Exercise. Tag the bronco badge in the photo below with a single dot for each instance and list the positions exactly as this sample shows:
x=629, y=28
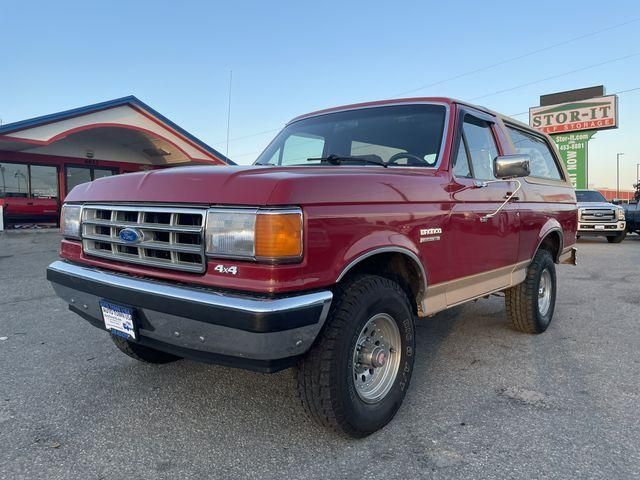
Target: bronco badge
x=430, y=234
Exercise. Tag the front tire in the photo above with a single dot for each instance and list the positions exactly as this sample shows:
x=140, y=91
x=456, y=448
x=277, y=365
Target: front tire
x=141, y=352
x=355, y=376
x=530, y=305
x=617, y=238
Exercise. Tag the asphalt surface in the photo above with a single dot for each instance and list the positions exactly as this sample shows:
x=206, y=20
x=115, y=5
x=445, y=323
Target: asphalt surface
x=485, y=401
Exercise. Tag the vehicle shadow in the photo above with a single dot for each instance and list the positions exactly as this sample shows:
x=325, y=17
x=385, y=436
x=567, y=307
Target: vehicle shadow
x=216, y=406
x=221, y=416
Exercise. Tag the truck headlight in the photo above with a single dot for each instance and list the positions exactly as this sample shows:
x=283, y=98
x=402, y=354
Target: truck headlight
x=620, y=214
x=273, y=235
x=70, y=220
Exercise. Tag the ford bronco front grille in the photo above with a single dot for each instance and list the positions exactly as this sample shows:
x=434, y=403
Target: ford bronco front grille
x=161, y=237
x=598, y=215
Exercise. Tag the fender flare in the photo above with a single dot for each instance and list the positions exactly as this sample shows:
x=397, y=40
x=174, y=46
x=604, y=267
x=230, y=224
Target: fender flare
x=422, y=289
x=551, y=226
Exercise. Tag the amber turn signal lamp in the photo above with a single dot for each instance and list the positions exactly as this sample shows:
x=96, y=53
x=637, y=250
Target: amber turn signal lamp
x=278, y=236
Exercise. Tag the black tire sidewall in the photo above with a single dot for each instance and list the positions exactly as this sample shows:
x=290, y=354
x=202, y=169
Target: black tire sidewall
x=545, y=262
x=619, y=238
x=141, y=352
x=367, y=417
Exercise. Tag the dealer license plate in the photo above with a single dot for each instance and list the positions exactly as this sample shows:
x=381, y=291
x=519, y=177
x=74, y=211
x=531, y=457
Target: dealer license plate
x=118, y=319
x=599, y=227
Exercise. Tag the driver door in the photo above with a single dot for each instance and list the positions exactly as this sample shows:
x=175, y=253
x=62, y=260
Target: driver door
x=483, y=251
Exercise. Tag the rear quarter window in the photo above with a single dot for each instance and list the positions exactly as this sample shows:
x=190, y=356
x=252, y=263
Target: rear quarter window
x=543, y=163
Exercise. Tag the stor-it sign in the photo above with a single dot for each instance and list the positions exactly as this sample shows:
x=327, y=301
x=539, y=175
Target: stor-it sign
x=594, y=114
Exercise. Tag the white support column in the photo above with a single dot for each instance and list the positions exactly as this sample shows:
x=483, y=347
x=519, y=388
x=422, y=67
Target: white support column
x=1, y=218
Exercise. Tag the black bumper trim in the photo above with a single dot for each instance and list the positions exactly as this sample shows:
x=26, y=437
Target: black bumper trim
x=263, y=366
x=256, y=322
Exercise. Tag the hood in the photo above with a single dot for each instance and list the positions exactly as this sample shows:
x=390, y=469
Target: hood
x=260, y=186
x=597, y=205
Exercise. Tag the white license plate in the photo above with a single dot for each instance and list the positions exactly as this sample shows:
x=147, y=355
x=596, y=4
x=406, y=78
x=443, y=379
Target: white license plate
x=118, y=320
x=599, y=227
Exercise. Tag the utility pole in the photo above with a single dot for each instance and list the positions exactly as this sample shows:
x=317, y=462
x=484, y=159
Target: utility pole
x=229, y=113
x=618, y=155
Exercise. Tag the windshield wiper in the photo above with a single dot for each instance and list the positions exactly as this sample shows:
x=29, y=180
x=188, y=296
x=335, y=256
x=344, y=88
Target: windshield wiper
x=334, y=159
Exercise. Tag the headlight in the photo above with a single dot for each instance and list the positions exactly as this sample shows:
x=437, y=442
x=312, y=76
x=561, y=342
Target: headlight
x=620, y=214
x=70, y=220
x=255, y=234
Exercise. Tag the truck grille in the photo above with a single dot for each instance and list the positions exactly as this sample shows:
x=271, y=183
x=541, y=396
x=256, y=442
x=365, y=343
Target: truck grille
x=168, y=237
x=598, y=215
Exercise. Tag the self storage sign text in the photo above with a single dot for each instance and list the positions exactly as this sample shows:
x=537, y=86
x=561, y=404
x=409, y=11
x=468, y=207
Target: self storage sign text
x=595, y=114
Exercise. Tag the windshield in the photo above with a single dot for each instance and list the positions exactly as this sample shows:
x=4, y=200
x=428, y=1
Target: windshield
x=589, y=196
x=402, y=135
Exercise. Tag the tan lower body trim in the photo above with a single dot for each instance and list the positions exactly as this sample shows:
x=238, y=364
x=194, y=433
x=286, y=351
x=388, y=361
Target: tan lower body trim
x=449, y=294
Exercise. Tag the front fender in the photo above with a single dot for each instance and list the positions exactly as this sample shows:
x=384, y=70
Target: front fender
x=376, y=244
x=376, y=241
x=551, y=225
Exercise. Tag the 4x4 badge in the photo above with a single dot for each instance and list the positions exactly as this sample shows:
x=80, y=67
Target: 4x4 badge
x=233, y=270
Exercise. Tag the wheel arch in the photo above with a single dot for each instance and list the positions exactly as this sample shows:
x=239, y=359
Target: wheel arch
x=551, y=238
x=397, y=263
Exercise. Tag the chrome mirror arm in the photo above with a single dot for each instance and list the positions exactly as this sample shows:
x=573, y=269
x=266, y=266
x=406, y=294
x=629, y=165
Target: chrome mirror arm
x=478, y=184
x=486, y=183
x=486, y=218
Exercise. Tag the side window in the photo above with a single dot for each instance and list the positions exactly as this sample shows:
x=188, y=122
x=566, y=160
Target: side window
x=298, y=148
x=481, y=146
x=461, y=162
x=44, y=181
x=76, y=176
x=15, y=180
x=542, y=164
x=101, y=173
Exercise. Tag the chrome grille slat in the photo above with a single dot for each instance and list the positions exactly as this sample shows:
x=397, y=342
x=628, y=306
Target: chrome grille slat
x=147, y=262
x=174, y=239
x=144, y=226
x=598, y=215
x=178, y=247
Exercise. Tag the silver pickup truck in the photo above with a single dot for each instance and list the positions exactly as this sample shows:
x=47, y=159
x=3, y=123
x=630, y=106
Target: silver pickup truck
x=597, y=217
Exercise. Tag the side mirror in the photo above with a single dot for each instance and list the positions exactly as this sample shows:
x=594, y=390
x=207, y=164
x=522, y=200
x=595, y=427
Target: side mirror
x=511, y=166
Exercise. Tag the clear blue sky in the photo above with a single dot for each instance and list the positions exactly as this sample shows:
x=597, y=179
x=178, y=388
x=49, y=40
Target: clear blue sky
x=292, y=57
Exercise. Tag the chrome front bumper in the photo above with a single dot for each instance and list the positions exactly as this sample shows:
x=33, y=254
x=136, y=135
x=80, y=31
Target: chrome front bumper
x=595, y=228
x=258, y=333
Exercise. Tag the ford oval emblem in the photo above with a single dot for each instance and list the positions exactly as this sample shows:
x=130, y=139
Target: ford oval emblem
x=130, y=235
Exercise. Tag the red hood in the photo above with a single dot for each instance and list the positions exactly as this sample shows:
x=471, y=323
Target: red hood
x=255, y=185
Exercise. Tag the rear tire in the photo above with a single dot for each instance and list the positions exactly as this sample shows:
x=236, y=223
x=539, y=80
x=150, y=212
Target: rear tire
x=530, y=305
x=142, y=353
x=355, y=376
x=618, y=238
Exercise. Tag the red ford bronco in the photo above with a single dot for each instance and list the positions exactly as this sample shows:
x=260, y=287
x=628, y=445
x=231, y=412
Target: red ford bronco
x=353, y=223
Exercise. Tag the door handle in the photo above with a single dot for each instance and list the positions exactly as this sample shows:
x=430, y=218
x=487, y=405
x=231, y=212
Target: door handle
x=511, y=196
x=30, y=203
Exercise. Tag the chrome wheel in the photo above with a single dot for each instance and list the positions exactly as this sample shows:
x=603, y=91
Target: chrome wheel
x=376, y=358
x=544, y=292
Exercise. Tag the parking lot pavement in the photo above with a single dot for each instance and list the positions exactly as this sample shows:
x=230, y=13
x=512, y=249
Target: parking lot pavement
x=485, y=401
